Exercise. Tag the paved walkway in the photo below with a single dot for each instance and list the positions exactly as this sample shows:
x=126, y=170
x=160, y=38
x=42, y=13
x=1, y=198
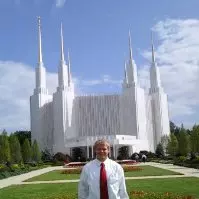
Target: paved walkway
x=188, y=172
x=20, y=178
x=184, y=170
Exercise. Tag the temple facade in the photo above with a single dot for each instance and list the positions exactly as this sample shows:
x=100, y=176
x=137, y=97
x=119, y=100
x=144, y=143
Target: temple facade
x=135, y=118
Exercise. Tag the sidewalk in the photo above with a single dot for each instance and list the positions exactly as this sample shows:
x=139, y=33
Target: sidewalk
x=188, y=172
x=19, y=178
x=191, y=172
x=127, y=178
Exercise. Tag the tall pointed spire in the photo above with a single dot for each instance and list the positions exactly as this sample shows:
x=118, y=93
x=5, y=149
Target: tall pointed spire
x=40, y=60
x=125, y=73
x=155, y=80
x=69, y=75
x=130, y=47
x=40, y=69
x=131, y=67
x=152, y=49
x=62, y=45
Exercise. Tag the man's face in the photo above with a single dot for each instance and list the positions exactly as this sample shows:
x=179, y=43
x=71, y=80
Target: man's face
x=102, y=152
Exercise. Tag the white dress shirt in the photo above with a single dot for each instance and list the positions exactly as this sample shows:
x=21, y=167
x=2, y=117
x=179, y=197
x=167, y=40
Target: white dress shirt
x=89, y=184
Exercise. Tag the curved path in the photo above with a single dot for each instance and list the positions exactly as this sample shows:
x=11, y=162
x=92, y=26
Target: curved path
x=188, y=172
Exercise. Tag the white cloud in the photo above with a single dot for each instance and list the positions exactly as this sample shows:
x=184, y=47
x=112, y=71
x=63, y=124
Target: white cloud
x=17, y=82
x=177, y=54
x=16, y=85
x=60, y=3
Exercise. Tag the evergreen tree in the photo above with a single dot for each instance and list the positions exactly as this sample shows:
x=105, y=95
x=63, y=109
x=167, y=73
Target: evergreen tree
x=172, y=147
x=194, y=139
x=15, y=149
x=159, y=150
x=26, y=151
x=4, y=149
x=22, y=135
x=183, y=142
x=36, y=154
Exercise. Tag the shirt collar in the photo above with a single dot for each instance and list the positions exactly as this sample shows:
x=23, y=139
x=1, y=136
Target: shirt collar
x=99, y=162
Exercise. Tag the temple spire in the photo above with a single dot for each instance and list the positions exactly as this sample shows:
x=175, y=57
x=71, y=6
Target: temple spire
x=40, y=60
x=62, y=45
x=155, y=80
x=125, y=73
x=131, y=67
x=152, y=49
x=130, y=47
x=69, y=75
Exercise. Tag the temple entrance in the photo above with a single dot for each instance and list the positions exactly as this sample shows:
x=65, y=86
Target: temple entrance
x=78, y=154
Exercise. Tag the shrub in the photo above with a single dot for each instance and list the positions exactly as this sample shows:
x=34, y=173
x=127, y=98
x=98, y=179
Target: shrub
x=62, y=158
x=182, y=158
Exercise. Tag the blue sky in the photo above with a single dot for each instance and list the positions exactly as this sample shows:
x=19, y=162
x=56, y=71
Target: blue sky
x=96, y=32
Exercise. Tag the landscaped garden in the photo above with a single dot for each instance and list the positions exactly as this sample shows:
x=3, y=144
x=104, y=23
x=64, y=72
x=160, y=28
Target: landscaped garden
x=168, y=188
x=130, y=171
x=17, y=158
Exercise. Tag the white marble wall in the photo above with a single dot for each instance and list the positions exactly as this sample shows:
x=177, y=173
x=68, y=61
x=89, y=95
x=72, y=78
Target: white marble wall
x=141, y=114
x=150, y=124
x=129, y=125
x=97, y=115
x=41, y=121
x=160, y=115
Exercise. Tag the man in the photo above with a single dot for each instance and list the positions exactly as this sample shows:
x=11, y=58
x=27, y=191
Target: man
x=102, y=178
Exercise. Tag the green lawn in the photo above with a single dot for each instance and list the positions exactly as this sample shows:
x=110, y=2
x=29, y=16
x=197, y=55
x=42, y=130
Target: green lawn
x=185, y=186
x=147, y=171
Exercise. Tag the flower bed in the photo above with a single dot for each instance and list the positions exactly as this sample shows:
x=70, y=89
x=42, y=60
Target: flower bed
x=78, y=170
x=153, y=195
x=129, y=162
x=75, y=164
x=131, y=168
x=133, y=195
x=71, y=171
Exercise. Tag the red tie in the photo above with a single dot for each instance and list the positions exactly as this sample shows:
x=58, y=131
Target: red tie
x=103, y=183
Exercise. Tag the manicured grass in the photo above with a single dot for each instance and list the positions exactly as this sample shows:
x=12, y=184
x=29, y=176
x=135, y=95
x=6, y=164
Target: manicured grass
x=54, y=175
x=150, y=171
x=147, y=171
x=183, y=186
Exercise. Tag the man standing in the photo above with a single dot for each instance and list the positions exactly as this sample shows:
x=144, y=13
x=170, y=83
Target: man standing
x=102, y=178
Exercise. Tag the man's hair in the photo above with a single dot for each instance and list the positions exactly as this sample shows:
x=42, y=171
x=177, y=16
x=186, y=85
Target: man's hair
x=102, y=141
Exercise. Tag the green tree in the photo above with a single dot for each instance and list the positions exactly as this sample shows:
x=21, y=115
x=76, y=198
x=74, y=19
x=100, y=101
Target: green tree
x=22, y=135
x=159, y=151
x=36, y=154
x=4, y=149
x=15, y=149
x=172, y=147
x=26, y=151
x=194, y=139
x=183, y=142
x=4, y=132
x=174, y=129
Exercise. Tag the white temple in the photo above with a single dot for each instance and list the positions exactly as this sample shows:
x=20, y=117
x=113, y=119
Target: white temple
x=136, y=118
